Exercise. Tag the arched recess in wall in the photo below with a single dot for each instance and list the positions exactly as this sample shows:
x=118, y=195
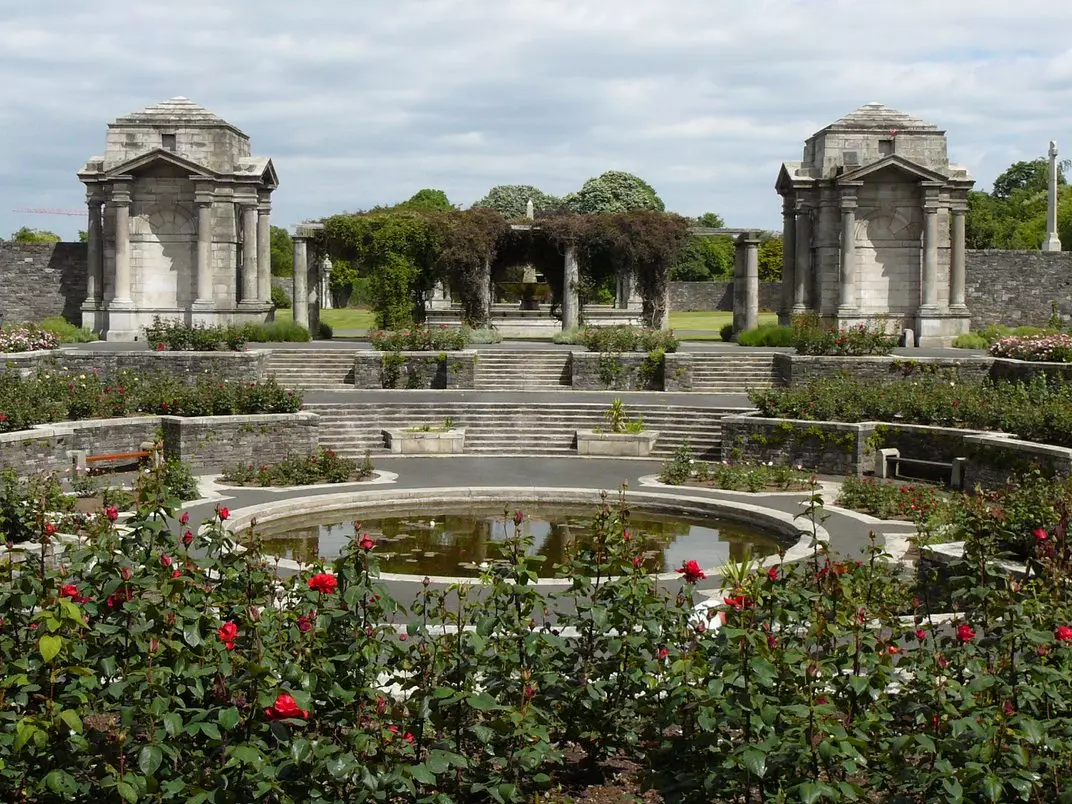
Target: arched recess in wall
x=164, y=250
x=888, y=254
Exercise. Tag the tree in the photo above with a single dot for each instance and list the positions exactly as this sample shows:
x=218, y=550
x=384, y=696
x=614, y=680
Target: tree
x=28, y=235
x=710, y=220
x=428, y=200
x=511, y=200
x=83, y=236
x=282, y=251
x=1013, y=215
x=770, y=259
x=704, y=259
x=614, y=191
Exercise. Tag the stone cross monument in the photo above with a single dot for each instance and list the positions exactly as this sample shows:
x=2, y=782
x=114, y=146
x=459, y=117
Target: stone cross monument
x=1052, y=242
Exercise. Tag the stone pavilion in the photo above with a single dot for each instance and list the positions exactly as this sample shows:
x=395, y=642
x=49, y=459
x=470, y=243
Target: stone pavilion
x=178, y=223
x=873, y=220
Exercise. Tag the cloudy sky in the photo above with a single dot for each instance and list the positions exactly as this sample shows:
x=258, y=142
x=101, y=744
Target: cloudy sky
x=366, y=102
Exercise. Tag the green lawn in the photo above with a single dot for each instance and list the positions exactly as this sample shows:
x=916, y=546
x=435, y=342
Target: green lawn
x=339, y=319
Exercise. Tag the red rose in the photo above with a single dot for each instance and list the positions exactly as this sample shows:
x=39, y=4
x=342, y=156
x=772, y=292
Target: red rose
x=175, y=573
x=663, y=653
x=323, y=582
x=305, y=624
x=228, y=634
x=50, y=528
x=222, y=513
x=738, y=602
x=772, y=574
x=70, y=590
x=1041, y=534
x=165, y=560
x=366, y=543
x=187, y=538
x=692, y=572
x=112, y=513
x=965, y=633
x=518, y=517
x=1063, y=633
x=285, y=707
x=921, y=634
x=184, y=518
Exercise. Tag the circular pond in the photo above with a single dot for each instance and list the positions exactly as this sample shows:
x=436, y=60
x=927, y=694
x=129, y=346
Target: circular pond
x=461, y=539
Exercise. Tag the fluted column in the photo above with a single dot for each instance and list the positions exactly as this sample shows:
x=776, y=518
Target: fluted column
x=930, y=248
x=789, y=258
x=751, y=281
x=802, y=247
x=847, y=301
x=94, y=251
x=301, y=281
x=957, y=262
x=120, y=202
x=249, y=252
x=204, y=250
x=264, y=251
x=570, y=281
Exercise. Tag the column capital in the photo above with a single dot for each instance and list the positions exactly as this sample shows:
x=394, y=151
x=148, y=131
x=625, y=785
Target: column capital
x=264, y=207
x=932, y=195
x=789, y=204
x=120, y=197
x=204, y=198
x=847, y=195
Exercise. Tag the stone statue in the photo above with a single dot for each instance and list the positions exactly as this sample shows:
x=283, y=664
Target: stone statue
x=530, y=210
x=1052, y=242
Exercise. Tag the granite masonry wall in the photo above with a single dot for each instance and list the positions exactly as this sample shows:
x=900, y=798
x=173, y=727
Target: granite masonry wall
x=48, y=447
x=623, y=371
x=215, y=442
x=829, y=447
x=38, y=280
x=415, y=370
x=1017, y=288
x=689, y=296
x=992, y=459
x=800, y=369
x=235, y=366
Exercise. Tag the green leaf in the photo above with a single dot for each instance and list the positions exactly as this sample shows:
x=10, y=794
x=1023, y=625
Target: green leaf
x=299, y=749
x=73, y=721
x=210, y=730
x=755, y=761
x=149, y=759
x=248, y=755
x=192, y=634
x=422, y=774
x=49, y=645
x=172, y=723
x=23, y=733
x=229, y=718
x=809, y=792
x=128, y=792
x=61, y=783
x=992, y=787
x=482, y=702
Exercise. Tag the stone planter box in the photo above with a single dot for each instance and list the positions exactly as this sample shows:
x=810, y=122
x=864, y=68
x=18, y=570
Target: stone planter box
x=616, y=445
x=619, y=371
x=415, y=370
x=215, y=442
x=415, y=442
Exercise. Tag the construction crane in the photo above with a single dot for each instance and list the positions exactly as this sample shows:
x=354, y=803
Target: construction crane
x=79, y=212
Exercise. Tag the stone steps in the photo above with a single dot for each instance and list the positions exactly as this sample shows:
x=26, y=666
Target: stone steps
x=500, y=370
x=312, y=369
x=732, y=373
x=509, y=429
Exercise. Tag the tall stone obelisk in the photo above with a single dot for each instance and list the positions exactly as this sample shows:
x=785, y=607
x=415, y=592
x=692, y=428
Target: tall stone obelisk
x=1052, y=242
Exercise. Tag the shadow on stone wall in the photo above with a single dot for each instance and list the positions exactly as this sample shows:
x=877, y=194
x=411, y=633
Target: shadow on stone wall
x=38, y=280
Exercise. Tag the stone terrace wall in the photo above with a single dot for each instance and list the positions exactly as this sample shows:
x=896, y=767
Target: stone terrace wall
x=829, y=447
x=1017, y=287
x=800, y=369
x=688, y=296
x=415, y=370
x=215, y=442
x=46, y=448
x=992, y=459
x=236, y=366
x=626, y=371
x=38, y=280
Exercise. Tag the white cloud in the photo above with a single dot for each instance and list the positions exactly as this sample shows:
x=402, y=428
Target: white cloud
x=364, y=103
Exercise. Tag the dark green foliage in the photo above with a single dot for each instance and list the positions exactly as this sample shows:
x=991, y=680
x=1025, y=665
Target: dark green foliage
x=1013, y=215
x=282, y=253
x=324, y=466
x=766, y=335
x=178, y=477
x=511, y=201
x=704, y=259
x=280, y=298
x=812, y=336
x=726, y=333
x=614, y=191
x=624, y=338
x=428, y=200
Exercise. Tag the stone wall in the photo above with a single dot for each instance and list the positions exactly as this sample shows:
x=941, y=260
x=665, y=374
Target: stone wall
x=677, y=372
x=215, y=442
x=689, y=296
x=235, y=366
x=1025, y=371
x=1017, y=287
x=831, y=448
x=992, y=459
x=626, y=371
x=801, y=369
x=38, y=280
x=415, y=370
x=47, y=447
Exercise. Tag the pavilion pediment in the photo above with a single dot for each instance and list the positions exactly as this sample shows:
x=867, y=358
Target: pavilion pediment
x=896, y=164
x=160, y=159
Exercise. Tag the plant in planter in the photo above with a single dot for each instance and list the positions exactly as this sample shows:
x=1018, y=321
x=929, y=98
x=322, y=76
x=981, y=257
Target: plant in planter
x=622, y=436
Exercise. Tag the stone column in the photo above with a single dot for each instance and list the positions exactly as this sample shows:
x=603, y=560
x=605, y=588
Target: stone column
x=570, y=279
x=847, y=301
x=1052, y=242
x=751, y=281
x=204, y=252
x=300, y=295
x=957, y=263
x=121, y=203
x=789, y=259
x=930, y=248
x=738, y=285
x=802, y=247
x=94, y=252
x=264, y=251
x=249, y=252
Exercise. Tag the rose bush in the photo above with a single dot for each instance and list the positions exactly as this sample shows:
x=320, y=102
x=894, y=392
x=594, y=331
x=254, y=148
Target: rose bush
x=421, y=338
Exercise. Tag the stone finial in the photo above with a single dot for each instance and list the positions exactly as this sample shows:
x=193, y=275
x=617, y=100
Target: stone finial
x=530, y=210
x=1053, y=149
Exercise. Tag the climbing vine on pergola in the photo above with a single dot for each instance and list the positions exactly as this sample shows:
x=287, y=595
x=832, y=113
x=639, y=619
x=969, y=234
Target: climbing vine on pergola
x=405, y=252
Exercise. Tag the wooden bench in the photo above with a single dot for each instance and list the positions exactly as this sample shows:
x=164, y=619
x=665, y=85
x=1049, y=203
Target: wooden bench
x=887, y=458
x=83, y=460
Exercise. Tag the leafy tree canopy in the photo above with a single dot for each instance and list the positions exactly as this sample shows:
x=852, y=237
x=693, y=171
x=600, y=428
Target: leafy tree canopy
x=711, y=220
x=282, y=252
x=1013, y=216
x=511, y=200
x=28, y=235
x=704, y=259
x=614, y=191
x=428, y=200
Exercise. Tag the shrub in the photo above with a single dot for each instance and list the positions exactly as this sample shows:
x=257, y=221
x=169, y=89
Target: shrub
x=22, y=502
x=421, y=339
x=324, y=466
x=813, y=337
x=324, y=332
x=572, y=337
x=767, y=335
x=26, y=338
x=890, y=499
x=280, y=298
x=275, y=332
x=485, y=336
x=970, y=340
x=1046, y=348
x=178, y=477
x=726, y=333
x=65, y=331
x=625, y=338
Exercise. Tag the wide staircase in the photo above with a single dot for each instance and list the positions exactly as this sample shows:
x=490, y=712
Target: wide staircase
x=527, y=370
x=732, y=373
x=509, y=428
x=313, y=369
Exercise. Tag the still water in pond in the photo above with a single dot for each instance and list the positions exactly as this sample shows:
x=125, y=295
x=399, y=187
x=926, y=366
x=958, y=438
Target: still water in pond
x=457, y=541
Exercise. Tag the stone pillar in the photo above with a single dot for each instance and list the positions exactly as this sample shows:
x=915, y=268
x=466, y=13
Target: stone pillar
x=930, y=249
x=94, y=252
x=1052, y=242
x=789, y=259
x=847, y=301
x=570, y=280
x=249, y=252
x=440, y=299
x=121, y=203
x=738, y=285
x=300, y=294
x=802, y=247
x=204, y=299
x=957, y=263
x=751, y=281
x=264, y=251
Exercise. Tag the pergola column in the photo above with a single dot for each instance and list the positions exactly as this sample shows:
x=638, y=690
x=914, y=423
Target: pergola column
x=847, y=299
x=249, y=251
x=570, y=281
x=746, y=283
x=264, y=249
x=204, y=250
x=120, y=202
x=802, y=247
x=930, y=247
x=957, y=262
x=301, y=281
x=94, y=251
x=789, y=258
